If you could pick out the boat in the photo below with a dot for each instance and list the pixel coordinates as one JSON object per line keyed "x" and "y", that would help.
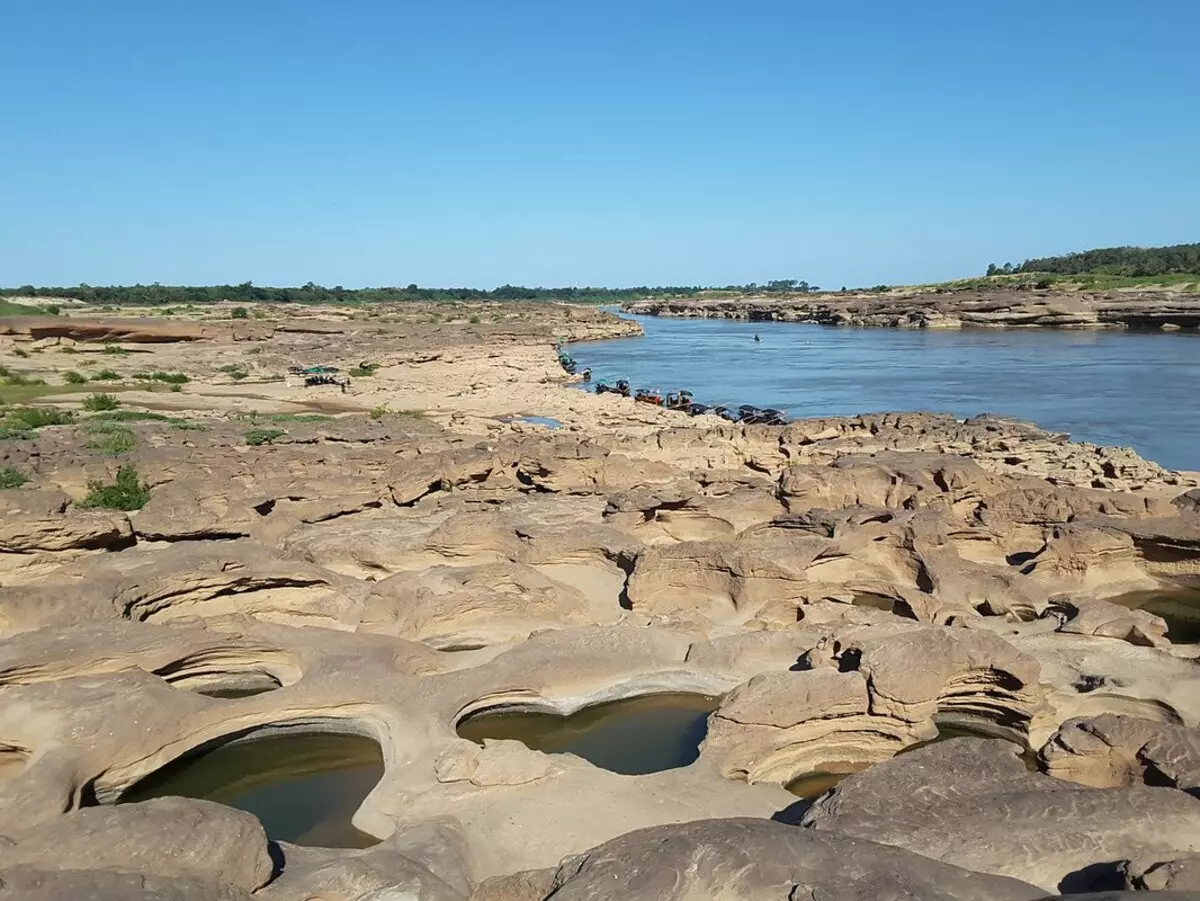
{"x": 622, "y": 387}
{"x": 649, "y": 396}
{"x": 678, "y": 400}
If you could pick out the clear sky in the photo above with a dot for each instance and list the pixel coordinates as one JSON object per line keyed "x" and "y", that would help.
{"x": 604, "y": 142}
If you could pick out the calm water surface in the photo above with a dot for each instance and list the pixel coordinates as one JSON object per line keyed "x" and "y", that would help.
{"x": 1140, "y": 390}
{"x": 304, "y": 788}
{"x": 633, "y": 736}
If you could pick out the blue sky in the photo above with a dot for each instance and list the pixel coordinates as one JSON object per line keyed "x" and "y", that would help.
{"x": 546, "y": 142}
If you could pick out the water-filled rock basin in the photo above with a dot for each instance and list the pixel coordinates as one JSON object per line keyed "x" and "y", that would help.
{"x": 633, "y": 736}
{"x": 1180, "y": 609}
{"x": 304, "y": 788}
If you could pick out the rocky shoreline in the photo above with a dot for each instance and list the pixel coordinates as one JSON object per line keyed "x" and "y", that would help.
{"x": 396, "y": 558}
{"x": 994, "y": 308}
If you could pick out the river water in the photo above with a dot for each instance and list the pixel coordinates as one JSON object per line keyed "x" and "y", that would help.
{"x": 1137, "y": 389}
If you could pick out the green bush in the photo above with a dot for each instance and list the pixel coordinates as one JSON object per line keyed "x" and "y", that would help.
{"x": 474, "y": 320}
{"x": 234, "y": 371}
{"x": 363, "y": 370}
{"x": 111, "y": 438}
{"x": 11, "y": 478}
{"x": 106, "y": 375}
{"x": 53, "y": 309}
{"x": 256, "y": 437}
{"x": 379, "y": 412}
{"x": 125, "y": 493}
{"x": 171, "y": 378}
{"x": 94, "y": 403}
{"x": 115, "y": 350}
{"x": 239, "y": 313}
{"x": 36, "y": 417}
{"x": 130, "y": 416}
{"x": 74, "y": 378}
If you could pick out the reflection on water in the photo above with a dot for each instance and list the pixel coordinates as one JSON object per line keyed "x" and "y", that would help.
{"x": 1099, "y": 378}
{"x": 304, "y": 788}
{"x": 634, "y": 736}
{"x": 1180, "y": 609}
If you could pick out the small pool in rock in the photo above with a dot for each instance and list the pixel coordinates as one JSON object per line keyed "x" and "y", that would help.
{"x": 634, "y": 736}
{"x": 1180, "y": 609}
{"x": 304, "y": 788}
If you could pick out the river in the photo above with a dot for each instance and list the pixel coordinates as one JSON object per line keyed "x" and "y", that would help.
{"x": 1137, "y": 389}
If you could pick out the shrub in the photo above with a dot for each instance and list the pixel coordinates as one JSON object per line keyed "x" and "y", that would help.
{"x": 106, "y": 375}
{"x": 74, "y": 378}
{"x": 115, "y": 350}
{"x": 234, "y": 371}
{"x": 171, "y": 378}
{"x": 177, "y": 388}
{"x": 130, "y": 416}
{"x": 67, "y": 349}
{"x": 111, "y": 438}
{"x": 21, "y": 352}
{"x": 11, "y": 478}
{"x": 474, "y": 320}
{"x": 54, "y": 309}
{"x": 25, "y": 418}
{"x": 239, "y": 313}
{"x": 363, "y": 370}
{"x": 379, "y": 412}
{"x": 126, "y": 492}
{"x": 256, "y": 437}
{"x": 15, "y": 378}
{"x": 94, "y": 403}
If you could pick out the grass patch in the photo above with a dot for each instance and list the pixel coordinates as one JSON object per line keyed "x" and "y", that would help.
{"x": 126, "y": 492}
{"x": 186, "y": 425}
{"x": 258, "y": 437}
{"x": 115, "y": 350}
{"x": 10, "y": 379}
{"x": 106, "y": 375}
{"x": 8, "y": 308}
{"x": 96, "y": 403}
{"x": 67, "y": 349}
{"x": 74, "y": 378}
{"x": 130, "y": 416}
{"x": 11, "y": 478}
{"x": 21, "y": 352}
{"x": 170, "y": 378}
{"x": 234, "y": 371}
{"x": 111, "y": 438}
{"x": 363, "y": 370}
{"x": 37, "y": 417}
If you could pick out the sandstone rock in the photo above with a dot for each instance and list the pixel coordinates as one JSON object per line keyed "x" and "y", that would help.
{"x": 758, "y": 860}
{"x": 167, "y": 837}
{"x": 989, "y": 814}
{"x": 27, "y": 884}
{"x": 1110, "y": 751}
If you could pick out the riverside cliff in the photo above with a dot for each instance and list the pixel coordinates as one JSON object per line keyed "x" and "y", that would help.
{"x": 918, "y": 308}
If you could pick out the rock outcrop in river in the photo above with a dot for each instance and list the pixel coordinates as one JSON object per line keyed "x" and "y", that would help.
{"x": 847, "y": 591}
{"x": 900, "y": 308}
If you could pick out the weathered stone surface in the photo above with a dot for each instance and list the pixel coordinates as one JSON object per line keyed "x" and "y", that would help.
{"x": 758, "y": 860}
{"x": 166, "y": 837}
{"x": 1110, "y": 751}
{"x": 991, "y": 815}
{"x": 27, "y": 884}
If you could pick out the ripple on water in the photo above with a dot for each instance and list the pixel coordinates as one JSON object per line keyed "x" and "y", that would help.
{"x": 303, "y": 788}
{"x": 633, "y": 736}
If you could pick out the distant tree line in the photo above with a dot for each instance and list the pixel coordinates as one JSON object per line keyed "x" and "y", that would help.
{"x": 1122, "y": 261}
{"x": 247, "y": 292}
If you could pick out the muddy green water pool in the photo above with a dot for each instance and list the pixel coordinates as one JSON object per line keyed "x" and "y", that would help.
{"x": 634, "y": 736}
{"x": 1180, "y": 609}
{"x": 304, "y": 788}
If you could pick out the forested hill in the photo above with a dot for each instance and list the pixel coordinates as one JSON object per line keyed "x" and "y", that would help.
{"x": 1133, "y": 262}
